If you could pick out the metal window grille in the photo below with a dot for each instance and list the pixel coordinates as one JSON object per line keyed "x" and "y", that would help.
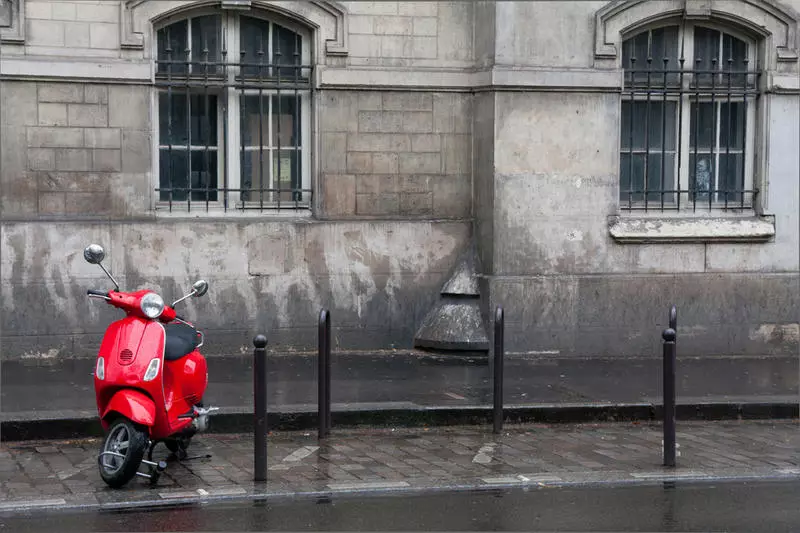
{"x": 685, "y": 123}
{"x": 201, "y": 86}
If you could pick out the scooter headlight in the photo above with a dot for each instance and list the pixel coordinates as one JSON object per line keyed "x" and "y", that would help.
{"x": 152, "y": 305}
{"x": 152, "y": 369}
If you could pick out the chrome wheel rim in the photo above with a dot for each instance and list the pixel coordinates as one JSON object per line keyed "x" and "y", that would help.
{"x": 117, "y": 442}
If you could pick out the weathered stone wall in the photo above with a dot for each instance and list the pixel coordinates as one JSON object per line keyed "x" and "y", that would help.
{"x": 434, "y": 123}
{"x": 76, "y": 168}
{"x": 623, "y": 315}
{"x": 75, "y": 149}
{"x": 390, "y": 154}
{"x": 401, "y": 34}
{"x": 378, "y": 279}
{"x": 567, "y": 286}
{"x": 85, "y": 28}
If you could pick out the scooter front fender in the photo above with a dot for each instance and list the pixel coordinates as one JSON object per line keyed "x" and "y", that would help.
{"x": 132, "y": 404}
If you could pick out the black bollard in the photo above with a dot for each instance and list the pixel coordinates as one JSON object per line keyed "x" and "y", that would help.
{"x": 669, "y": 396}
{"x": 499, "y": 332}
{"x": 328, "y": 423}
{"x": 324, "y": 375}
{"x": 260, "y": 407}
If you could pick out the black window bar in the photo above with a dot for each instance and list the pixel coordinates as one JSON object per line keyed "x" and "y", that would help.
{"x": 195, "y": 91}
{"x": 717, "y": 93}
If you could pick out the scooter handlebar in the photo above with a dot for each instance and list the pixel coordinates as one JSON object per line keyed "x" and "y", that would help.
{"x": 130, "y": 302}
{"x": 99, "y": 294}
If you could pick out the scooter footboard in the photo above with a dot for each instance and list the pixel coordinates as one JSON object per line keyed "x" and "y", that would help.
{"x": 132, "y": 404}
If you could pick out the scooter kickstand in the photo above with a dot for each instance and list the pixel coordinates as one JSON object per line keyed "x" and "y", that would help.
{"x": 206, "y": 456}
{"x": 152, "y": 447}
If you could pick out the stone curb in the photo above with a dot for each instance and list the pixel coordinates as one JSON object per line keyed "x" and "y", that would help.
{"x": 178, "y": 498}
{"x": 242, "y": 422}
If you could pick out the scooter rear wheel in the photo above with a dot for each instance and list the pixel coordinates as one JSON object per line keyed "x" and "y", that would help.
{"x": 127, "y": 444}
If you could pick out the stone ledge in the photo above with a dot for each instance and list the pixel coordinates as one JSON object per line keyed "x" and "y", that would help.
{"x": 67, "y": 69}
{"x": 499, "y": 78}
{"x": 629, "y": 230}
{"x": 465, "y": 79}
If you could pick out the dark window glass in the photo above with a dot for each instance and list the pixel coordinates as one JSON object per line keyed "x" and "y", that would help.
{"x": 254, "y": 46}
{"x": 174, "y": 46}
{"x": 174, "y": 174}
{"x": 286, "y": 50}
{"x": 731, "y": 171}
{"x": 173, "y": 41}
{"x": 286, "y": 121}
{"x": 734, "y": 57}
{"x": 632, "y": 177}
{"x": 286, "y": 172}
{"x": 206, "y": 34}
{"x": 286, "y": 166}
{"x": 657, "y": 45}
{"x": 702, "y": 127}
{"x": 254, "y": 116}
{"x": 660, "y": 119}
{"x": 173, "y": 126}
{"x": 732, "y": 120}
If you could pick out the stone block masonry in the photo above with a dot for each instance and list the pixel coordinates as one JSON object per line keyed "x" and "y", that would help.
{"x": 70, "y": 155}
{"x": 393, "y": 34}
{"x": 398, "y": 154}
{"x": 82, "y": 27}
{"x": 84, "y": 149}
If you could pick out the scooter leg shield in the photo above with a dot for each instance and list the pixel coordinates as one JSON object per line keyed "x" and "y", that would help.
{"x": 134, "y": 405}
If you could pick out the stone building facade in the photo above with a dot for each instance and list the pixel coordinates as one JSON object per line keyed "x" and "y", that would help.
{"x": 346, "y": 154}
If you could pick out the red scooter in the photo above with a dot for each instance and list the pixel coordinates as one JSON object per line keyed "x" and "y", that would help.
{"x": 149, "y": 380}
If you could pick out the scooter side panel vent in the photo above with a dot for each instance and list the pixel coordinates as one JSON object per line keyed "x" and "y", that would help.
{"x": 125, "y": 357}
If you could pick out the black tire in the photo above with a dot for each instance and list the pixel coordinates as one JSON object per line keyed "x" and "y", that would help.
{"x": 123, "y": 437}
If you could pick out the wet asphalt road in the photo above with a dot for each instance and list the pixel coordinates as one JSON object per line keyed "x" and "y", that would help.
{"x": 756, "y": 506}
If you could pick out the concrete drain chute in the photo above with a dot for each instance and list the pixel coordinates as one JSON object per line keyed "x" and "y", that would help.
{"x": 455, "y": 322}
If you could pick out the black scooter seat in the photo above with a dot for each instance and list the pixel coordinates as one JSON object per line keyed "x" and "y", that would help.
{"x": 180, "y": 341}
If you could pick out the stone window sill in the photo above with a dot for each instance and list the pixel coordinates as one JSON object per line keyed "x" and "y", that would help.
{"x": 651, "y": 229}
{"x": 199, "y": 212}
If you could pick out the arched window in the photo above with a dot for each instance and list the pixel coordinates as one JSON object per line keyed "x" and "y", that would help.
{"x": 233, "y": 113}
{"x": 688, "y": 119}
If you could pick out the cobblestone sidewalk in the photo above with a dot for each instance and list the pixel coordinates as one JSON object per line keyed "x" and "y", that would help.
{"x": 47, "y": 474}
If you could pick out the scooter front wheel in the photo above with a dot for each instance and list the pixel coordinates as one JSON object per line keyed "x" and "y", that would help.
{"x": 122, "y": 452}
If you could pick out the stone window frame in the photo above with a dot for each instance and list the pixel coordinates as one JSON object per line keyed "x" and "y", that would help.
{"x": 775, "y": 29}
{"x": 12, "y": 31}
{"x": 777, "y": 26}
{"x": 753, "y": 136}
{"x": 326, "y": 18}
{"x": 229, "y": 113}
{"x": 327, "y": 22}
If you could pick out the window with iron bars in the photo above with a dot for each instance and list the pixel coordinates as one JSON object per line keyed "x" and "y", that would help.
{"x": 234, "y": 96}
{"x": 688, "y": 120}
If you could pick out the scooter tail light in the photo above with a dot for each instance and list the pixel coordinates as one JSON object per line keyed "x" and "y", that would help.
{"x": 152, "y": 369}
{"x": 100, "y": 370}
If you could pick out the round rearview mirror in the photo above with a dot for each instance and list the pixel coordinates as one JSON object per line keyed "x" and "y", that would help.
{"x": 200, "y": 287}
{"x": 94, "y": 254}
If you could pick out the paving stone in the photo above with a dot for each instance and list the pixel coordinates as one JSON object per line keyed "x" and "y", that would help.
{"x": 419, "y": 457}
{"x": 47, "y": 449}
